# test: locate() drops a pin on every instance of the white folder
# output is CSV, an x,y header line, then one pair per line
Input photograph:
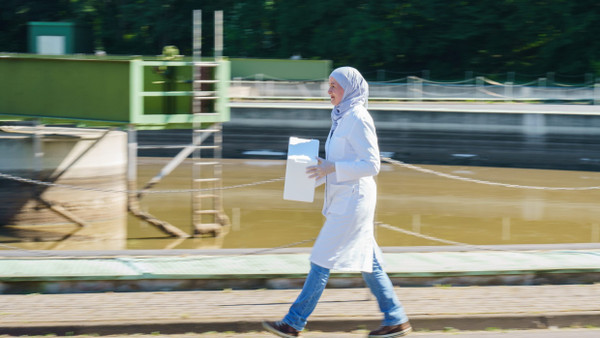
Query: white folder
x,y
301,154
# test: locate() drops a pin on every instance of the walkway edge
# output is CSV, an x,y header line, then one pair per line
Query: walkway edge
x,y
325,324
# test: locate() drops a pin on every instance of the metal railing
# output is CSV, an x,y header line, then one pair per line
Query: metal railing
x,y
414,88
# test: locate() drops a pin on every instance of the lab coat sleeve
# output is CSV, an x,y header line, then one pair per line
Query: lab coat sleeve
x,y
363,140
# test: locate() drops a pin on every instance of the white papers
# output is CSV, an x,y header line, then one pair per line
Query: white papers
x,y
301,154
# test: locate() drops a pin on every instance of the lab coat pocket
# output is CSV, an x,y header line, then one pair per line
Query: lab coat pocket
x,y
342,196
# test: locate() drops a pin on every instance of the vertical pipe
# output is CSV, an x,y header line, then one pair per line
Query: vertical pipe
x,y
218,35
218,170
136,87
196,57
196,124
131,164
197,34
38,151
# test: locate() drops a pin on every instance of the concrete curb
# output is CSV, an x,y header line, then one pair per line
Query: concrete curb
x,y
325,324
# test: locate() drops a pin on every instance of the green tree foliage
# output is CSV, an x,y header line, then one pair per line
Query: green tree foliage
x,y
445,37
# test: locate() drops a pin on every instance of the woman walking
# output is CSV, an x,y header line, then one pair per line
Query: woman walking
x,y
346,241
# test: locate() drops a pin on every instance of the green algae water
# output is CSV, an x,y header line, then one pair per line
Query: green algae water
x,y
422,203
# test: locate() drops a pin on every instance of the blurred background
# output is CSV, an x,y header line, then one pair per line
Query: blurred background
x,y
385,39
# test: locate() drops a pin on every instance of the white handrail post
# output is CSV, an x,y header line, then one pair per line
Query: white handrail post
x,y
550,78
541,86
597,91
416,87
468,75
479,84
508,91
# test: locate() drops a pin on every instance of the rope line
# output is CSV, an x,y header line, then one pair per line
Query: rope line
x,y
468,81
74,187
36,252
472,180
259,78
435,239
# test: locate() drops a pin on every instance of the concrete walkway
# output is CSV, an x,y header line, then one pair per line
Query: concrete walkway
x,y
49,273
78,292
340,310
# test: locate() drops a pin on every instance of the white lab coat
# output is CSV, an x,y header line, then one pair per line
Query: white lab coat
x,y
346,241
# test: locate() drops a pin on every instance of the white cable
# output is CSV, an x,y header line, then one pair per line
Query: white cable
x,y
74,187
466,179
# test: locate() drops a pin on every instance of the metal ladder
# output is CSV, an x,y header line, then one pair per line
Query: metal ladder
x,y
208,217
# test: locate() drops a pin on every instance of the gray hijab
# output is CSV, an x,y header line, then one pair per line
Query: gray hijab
x,y
356,91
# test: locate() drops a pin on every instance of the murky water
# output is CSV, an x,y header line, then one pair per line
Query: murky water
x,y
423,203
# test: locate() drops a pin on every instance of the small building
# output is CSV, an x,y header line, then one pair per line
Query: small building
x,y
58,38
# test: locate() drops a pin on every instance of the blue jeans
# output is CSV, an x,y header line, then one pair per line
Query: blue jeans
x,y
378,281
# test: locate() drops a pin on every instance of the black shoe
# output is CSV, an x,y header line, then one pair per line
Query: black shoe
x,y
391,331
281,329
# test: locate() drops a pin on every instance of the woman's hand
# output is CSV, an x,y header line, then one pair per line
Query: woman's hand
x,y
322,169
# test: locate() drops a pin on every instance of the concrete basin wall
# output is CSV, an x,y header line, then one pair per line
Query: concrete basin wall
x,y
84,158
519,119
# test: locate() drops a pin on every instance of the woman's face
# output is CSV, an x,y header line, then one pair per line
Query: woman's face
x,y
336,92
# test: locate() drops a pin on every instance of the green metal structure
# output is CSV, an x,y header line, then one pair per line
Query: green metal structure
x,y
108,92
